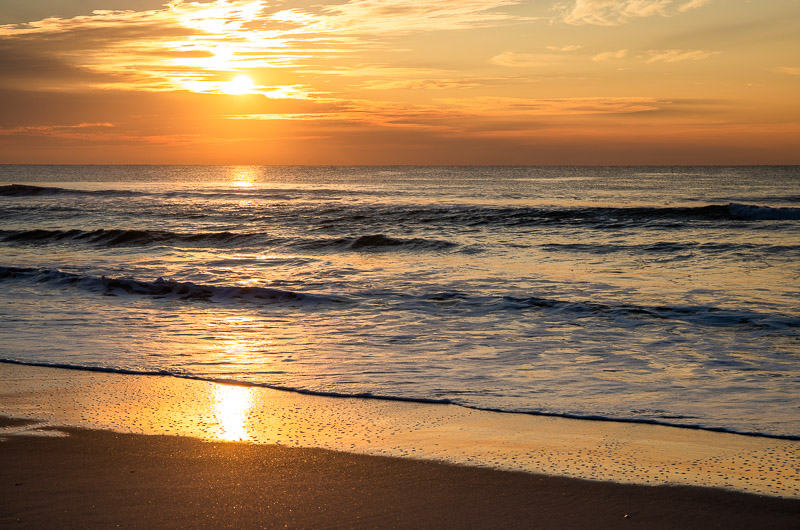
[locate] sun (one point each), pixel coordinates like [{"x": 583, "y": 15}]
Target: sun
[{"x": 241, "y": 84}]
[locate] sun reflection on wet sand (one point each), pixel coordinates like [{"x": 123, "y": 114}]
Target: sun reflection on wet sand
[
  {"x": 628, "y": 453},
  {"x": 232, "y": 405}
]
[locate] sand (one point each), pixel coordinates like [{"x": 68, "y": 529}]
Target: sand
[
  {"x": 309, "y": 461},
  {"x": 106, "y": 479}
]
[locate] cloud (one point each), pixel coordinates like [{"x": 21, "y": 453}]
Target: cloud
[
  {"x": 52, "y": 130},
  {"x": 371, "y": 113},
  {"x": 199, "y": 46},
  {"x": 400, "y": 16},
  {"x": 506, "y": 106},
  {"x": 527, "y": 60},
  {"x": 163, "y": 49},
  {"x": 567, "y": 48},
  {"x": 605, "y": 56},
  {"x": 614, "y": 12},
  {"x": 674, "y": 56},
  {"x": 790, "y": 70},
  {"x": 102, "y": 133},
  {"x": 692, "y": 4},
  {"x": 477, "y": 115},
  {"x": 445, "y": 83}
]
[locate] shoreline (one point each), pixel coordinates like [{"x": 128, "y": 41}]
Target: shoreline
[
  {"x": 389, "y": 398},
  {"x": 93, "y": 478},
  {"x": 600, "y": 451}
]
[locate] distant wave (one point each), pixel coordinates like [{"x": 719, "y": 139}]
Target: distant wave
[
  {"x": 119, "y": 237},
  {"x": 407, "y": 399},
  {"x": 624, "y": 314},
  {"x": 161, "y": 288},
  {"x": 469, "y": 216},
  {"x": 274, "y": 194},
  {"x": 671, "y": 248},
  {"x": 585, "y": 216},
  {"x": 751, "y": 212},
  {"x": 700, "y": 315},
  {"x": 378, "y": 242},
  {"x": 25, "y": 190}
]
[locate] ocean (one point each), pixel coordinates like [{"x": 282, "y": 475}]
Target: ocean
[{"x": 647, "y": 294}]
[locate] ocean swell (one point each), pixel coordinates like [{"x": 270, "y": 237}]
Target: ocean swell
[
  {"x": 161, "y": 288},
  {"x": 120, "y": 237},
  {"x": 749, "y": 212},
  {"x": 474, "y": 304},
  {"x": 595, "y": 217},
  {"x": 26, "y": 190}
]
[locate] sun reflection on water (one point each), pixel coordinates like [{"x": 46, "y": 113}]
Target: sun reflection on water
[
  {"x": 232, "y": 405},
  {"x": 243, "y": 176}
]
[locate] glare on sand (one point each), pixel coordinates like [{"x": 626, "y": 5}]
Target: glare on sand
[
  {"x": 629, "y": 453},
  {"x": 232, "y": 403},
  {"x": 241, "y": 84}
]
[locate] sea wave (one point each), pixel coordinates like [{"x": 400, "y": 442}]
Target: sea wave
[
  {"x": 593, "y": 217},
  {"x": 474, "y": 304},
  {"x": 466, "y": 215},
  {"x": 120, "y": 237},
  {"x": 625, "y": 314},
  {"x": 702, "y": 315},
  {"x": 377, "y": 242},
  {"x": 211, "y": 193},
  {"x": 408, "y": 399},
  {"x": 26, "y": 190},
  {"x": 161, "y": 288},
  {"x": 750, "y": 212},
  {"x": 672, "y": 248}
]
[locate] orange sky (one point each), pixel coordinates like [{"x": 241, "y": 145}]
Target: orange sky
[{"x": 400, "y": 82}]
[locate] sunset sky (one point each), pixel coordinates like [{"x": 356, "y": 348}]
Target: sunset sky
[{"x": 400, "y": 82}]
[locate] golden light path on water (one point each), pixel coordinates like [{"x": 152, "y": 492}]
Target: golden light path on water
[{"x": 243, "y": 176}]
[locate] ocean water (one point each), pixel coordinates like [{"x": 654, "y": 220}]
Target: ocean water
[{"x": 654, "y": 294}]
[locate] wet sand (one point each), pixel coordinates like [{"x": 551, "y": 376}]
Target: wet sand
[
  {"x": 157, "y": 451},
  {"x": 106, "y": 479}
]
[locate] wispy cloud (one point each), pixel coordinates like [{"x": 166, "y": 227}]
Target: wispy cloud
[
  {"x": 373, "y": 113},
  {"x": 692, "y": 4},
  {"x": 401, "y": 17},
  {"x": 674, "y": 56},
  {"x": 100, "y": 133},
  {"x": 476, "y": 115},
  {"x": 606, "y": 56},
  {"x": 499, "y": 106},
  {"x": 566, "y": 48},
  {"x": 446, "y": 83},
  {"x": 614, "y": 12},
  {"x": 526, "y": 60},
  {"x": 54, "y": 130},
  {"x": 790, "y": 70}
]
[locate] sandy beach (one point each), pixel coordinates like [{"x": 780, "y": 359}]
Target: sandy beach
[
  {"x": 105, "y": 479},
  {"x": 73, "y": 458}
]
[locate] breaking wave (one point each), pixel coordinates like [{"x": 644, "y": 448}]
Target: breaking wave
[
  {"x": 161, "y": 288},
  {"x": 625, "y": 315},
  {"x": 119, "y": 237},
  {"x": 25, "y": 190}
]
